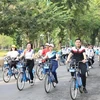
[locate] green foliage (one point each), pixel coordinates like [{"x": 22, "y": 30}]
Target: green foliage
[
  {"x": 5, "y": 41},
  {"x": 64, "y": 20}
]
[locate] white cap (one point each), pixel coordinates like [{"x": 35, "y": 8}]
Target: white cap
[
  {"x": 47, "y": 44},
  {"x": 51, "y": 45}
]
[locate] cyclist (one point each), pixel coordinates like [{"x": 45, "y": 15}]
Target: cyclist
[
  {"x": 13, "y": 53},
  {"x": 29, "y": 55},
  {"x": 90, "y": 54},
  {"x": 41, "y": 50},
  {"x": 53, "y": 60},
  {"x": 20, "y": 50},
  {"x": 68, "y": 50},
  {"x": 97, "y": 51},
  {"x": 78, "y": 53},
  {"x": 46, "y": 49},
  {"x": 64, "y": 52}
]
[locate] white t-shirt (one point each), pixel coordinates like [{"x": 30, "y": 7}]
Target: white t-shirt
[
  {"x": 90, "y": 53},
  {"x": 68, "y": 50},
  {"x": 40, "y": 52},
  {"x": 13, "y": 54},
  {"x": 64, "y": 51},
  {"x": 29, "y": 54}
]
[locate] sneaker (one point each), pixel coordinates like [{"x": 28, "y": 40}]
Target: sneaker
[
  {"x": 90, "y": 67},
  {"x": 31, "y": 82},
  {"x": 81, "y": 89},
  {"x": 56, "y": 81},
  {"x": 85, "y": 90}
]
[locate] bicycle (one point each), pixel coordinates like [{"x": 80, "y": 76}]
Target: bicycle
[
  {"x": 49, "y": 77},
  {"x": 7, "y": 60},
  {"x": 62, "y": 60},
  {"x": 23, "y": 75},
  {"x": 40, "y": 69},
  {"x": 90, "y": 61},
  {"x": 76, "y": 81},
  {"x": 8, "y": 72}
]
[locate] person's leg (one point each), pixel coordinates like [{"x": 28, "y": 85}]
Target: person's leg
[
  {"x": 83, "y": 69},
  {"x": 54, "y": 67},
  {"x": 30, "y": 67}
]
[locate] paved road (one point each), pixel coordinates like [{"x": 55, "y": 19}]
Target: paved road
[{"x": 61, "y": 92}]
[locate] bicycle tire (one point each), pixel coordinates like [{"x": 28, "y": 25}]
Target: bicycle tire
[
  {"x": 91, "y": 64},
  {"x": 40, "y": 74},
  {"x": 47, "y": 84},
  {"x": 15, "y": 73},
  {"x": 5, "y": 73},
  {"x": 86, "y": 74},
  {"x": 34, "y": 75},
  {"x": 20, "y": 79},
  {"x": 53, "y": 81},
  {"x": 37, "y": 67},
  {"x": 3, "y": 68},
  {"x": 73, "y": 87}
]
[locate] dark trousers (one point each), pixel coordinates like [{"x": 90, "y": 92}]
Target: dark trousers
[
  {"x": 30, "y": 65},
  {"x": 54, "y": 65},
  {"x": 12, "y": 64},
  {"x": 83, "y": 68}
]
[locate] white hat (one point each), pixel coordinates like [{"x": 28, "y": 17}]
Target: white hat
[
  {"x": 47, "y": 44},
  {"x": 51, "y": 45}
]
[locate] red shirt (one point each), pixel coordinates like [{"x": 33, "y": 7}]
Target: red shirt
[{"x": 45, "y": 51}]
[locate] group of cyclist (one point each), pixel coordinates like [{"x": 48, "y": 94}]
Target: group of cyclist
[
  {"x": 79, "y": 53},
  {"x": 28, "y": 54}
]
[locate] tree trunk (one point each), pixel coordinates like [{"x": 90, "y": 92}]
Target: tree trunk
[{"x": 93, "y": 36}]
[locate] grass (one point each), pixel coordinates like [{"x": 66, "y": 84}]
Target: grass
[{"x": 3, "y": 53}]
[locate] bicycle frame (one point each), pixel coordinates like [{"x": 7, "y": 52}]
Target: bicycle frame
[
  {"x": 75, "y": 69},
  {"x": 49, "y": 72}
]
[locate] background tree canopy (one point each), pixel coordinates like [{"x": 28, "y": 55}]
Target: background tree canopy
[{"x": 56, "y": 21}]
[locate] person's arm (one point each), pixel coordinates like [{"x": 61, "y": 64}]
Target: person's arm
[
  {"x": 46, "y": 56},
  {"x": 22, "y": 55},
  {"x": 57, "y": 56},
  {"x": 85, "y": 58},
  {"x": 84, "y": 55},
  {"x": 69, "y": 57},
  {"x": 43, "y": 52},
  {"x": 33, "y": 54},
  {"x": 93, "y": 53},
  {"x": 9, "y": 53}
]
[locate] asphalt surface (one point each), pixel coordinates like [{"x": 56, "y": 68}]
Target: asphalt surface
[{"x": 9, "y": 91}]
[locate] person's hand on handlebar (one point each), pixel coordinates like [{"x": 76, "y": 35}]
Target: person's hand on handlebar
[{"x": 84, "y": 61}]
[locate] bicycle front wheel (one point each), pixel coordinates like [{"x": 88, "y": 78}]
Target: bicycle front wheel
[
  {"x": 47, "y": 84},
  {"x": 20, "y": 81},
  {"x": 15, "y": 73},
  {"x": 6, "y": 75},
  {"x": 40, "y": 73},
  {"x": 73, "y": 89}
]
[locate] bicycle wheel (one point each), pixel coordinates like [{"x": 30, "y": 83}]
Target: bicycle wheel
[
  {"x": 73, "y": 89},
  {"x": 37, "y": 67},
  {"x": 91, "y": 64},
  {"x": 47, "y": 84},
  {"x": 34, "y": 75},
  {"x": 53, "y": 81},
  {"x": 15, "y": 73},
  {"x": 20, "y": 81},
  {"x": 6, "y": 76},
  {"x": 40, "y": 73},
  {"x": 3, "y": 68}
]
